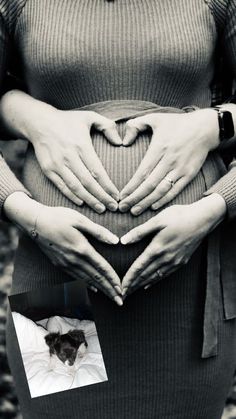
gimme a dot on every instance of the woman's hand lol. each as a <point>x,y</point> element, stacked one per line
<point>59,232</point>
<point>63,147</point>
<point>179,146</point>
<point>178,231</point>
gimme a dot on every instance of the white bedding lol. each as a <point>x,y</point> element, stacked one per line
<point>35,353</point>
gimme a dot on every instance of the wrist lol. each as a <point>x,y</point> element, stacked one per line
<point>213,210</point>
<point>22,115</point>
<point>22,210</point>
<point>210,125</point>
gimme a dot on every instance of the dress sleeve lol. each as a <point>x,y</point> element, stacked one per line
<point>226,186</point>
<point>8,181</point>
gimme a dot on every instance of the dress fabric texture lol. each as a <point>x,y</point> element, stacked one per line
<point>76,54</point>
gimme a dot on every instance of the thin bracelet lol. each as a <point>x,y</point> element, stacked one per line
<point>33,233</point>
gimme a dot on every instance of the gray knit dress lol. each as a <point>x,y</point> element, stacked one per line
<point>169,353</point>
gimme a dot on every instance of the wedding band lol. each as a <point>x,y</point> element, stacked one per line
<point>159,273</point>
<point>169,180</point>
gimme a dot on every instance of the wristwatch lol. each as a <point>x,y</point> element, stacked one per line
<point>226,124</point>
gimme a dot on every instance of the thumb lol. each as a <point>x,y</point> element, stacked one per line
<point>143,230</point>
<point>100,233</point>
<point>133,127</point>
<point>109,129</point>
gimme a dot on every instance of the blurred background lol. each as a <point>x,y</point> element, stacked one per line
<point>14,152</point>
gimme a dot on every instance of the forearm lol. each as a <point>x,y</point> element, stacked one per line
<point>22,116</point>
<point>20,209</point>
<point>213,209</point>
<point>8,183</point>
<point>226,186</point>
<point>207,120</point>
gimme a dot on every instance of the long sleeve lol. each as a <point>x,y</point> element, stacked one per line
<point>8,181</point>
<point>226,186</point>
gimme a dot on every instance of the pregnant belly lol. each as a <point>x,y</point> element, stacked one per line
<point>120,163</point>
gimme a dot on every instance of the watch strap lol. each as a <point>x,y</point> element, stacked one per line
<point>226,125</point>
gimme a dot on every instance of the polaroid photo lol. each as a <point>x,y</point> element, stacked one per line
<point>57,338</point>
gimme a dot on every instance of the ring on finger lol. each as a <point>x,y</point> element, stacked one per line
<point>170,181</point>
<point>159,273</point>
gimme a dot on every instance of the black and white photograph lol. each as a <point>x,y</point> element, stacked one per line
<point>58,339</point>
<point>118,171</point>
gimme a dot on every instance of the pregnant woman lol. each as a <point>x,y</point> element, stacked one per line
<point>124,188</point>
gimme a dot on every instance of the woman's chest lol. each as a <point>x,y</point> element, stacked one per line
<point>69,31</point>
<point>119,43</point>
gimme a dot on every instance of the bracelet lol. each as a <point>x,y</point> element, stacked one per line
<point>33,233</point>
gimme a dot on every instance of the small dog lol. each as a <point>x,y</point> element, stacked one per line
<point>67,346</point>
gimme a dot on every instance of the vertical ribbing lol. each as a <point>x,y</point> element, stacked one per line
<point>219,11</point>
<point>77,52</point>
<point>11,10</point>
<point>98,50</point>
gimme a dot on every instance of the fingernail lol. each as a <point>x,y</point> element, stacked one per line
<point>126,140</point>
<point>124,207</point>
<point>112,206</point>
<point>100,208</point>
<point>136,210</point>
<point>124,239</point>
<point>118,289</point>
<point>147,286</point>
<point>112,239</point>
<point>118,139</point>
<point>124,290</point>
<point>155,206</point>
<point>93,289</point>
<point>118,300</point>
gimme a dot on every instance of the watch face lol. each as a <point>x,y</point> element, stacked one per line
<point>228,125</point>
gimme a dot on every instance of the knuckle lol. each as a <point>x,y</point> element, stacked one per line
<point>132,123</point>
<point>185,261</point>
<point>72,259</point>
<point>71,185</point>
<point>150,253</point>
<point>82,249</point>
<point>145,172</point>
<point>151,186</point>
<point>46,168</point>
<point>63,188</point>
<point>99,234</point>
<point>138,235</point>
<point>110,124</point>
<point>142,276</point>
<point>98,277</point>
<point>95,174</point>
<point>85,182</point>
<point>190,172</point>
<point>168,258</point>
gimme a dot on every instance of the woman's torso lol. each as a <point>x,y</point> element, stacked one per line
<point>75,53</point>
<point>78,52</point>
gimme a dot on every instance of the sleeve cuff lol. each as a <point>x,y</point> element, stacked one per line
<point>8,184</point>
<point>226,187</point>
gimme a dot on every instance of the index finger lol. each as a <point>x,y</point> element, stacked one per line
<point>103,266</point>
<point>138,266</point>
<point>148,163</point>
<point>94,165</point>
<point>147,186</point>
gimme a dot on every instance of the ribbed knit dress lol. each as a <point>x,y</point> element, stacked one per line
<point>131,55</point>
